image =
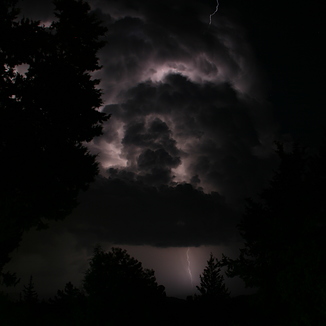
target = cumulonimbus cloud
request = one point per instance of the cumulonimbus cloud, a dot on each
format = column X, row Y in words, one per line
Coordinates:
column 188, row 111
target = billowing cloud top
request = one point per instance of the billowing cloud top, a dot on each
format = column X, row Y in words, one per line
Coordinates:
column 188, row 118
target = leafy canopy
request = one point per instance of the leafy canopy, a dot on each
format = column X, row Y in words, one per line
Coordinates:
column 47, row 115
column 116, row 276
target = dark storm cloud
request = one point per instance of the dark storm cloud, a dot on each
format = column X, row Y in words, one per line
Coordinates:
column 150, row 150
column 157, row 165
column 214, row 131
column 188, row 118
column 149, row 159
column 187, row 112
column 155, row 134
column 123, row 211
column 145, row 36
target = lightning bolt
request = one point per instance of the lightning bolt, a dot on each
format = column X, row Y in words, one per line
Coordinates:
column 189, row 270
column 216, row 9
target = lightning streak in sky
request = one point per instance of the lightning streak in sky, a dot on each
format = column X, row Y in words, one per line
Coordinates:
column 216, row 9
column 189, row 270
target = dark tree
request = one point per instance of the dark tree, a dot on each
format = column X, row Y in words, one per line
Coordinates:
column 213, row 302
column 284, row 251
column 117, row 275
column 68, row 296
column 212, row 286
column 47, row 115
column 9, row 279
column 29, row 294
column 70, row 305
column 117, row 282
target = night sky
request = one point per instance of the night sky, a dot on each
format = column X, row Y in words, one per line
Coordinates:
column 196, row 108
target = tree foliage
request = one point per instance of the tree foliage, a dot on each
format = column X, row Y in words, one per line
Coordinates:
column 115, row 275
column 69, row 295
column 117, row 285
column 212, row 286
column 29, row 293
column 284, row 234
column 47, row 115
column 70, row 304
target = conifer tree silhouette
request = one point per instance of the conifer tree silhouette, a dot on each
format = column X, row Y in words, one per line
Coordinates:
column 212, row 286
column 30, row 296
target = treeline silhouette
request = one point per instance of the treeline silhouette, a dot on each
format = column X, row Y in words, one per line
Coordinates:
column 117, row 290
column 283, row 258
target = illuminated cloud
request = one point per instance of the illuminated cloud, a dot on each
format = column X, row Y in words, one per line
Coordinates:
column 188, row 118
column 188, row 109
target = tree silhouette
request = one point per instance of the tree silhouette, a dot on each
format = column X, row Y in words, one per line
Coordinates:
column 70, row 304
column 118, row 282
column 214, row 297
column 284, row 234
column 29, row 294
column 47, row 115
column 9, row 279
column 212, row 286
column 118, row 275
column 68, row 296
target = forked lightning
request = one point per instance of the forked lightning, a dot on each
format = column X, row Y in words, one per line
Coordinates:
column 216, row 9
column 189, row 270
